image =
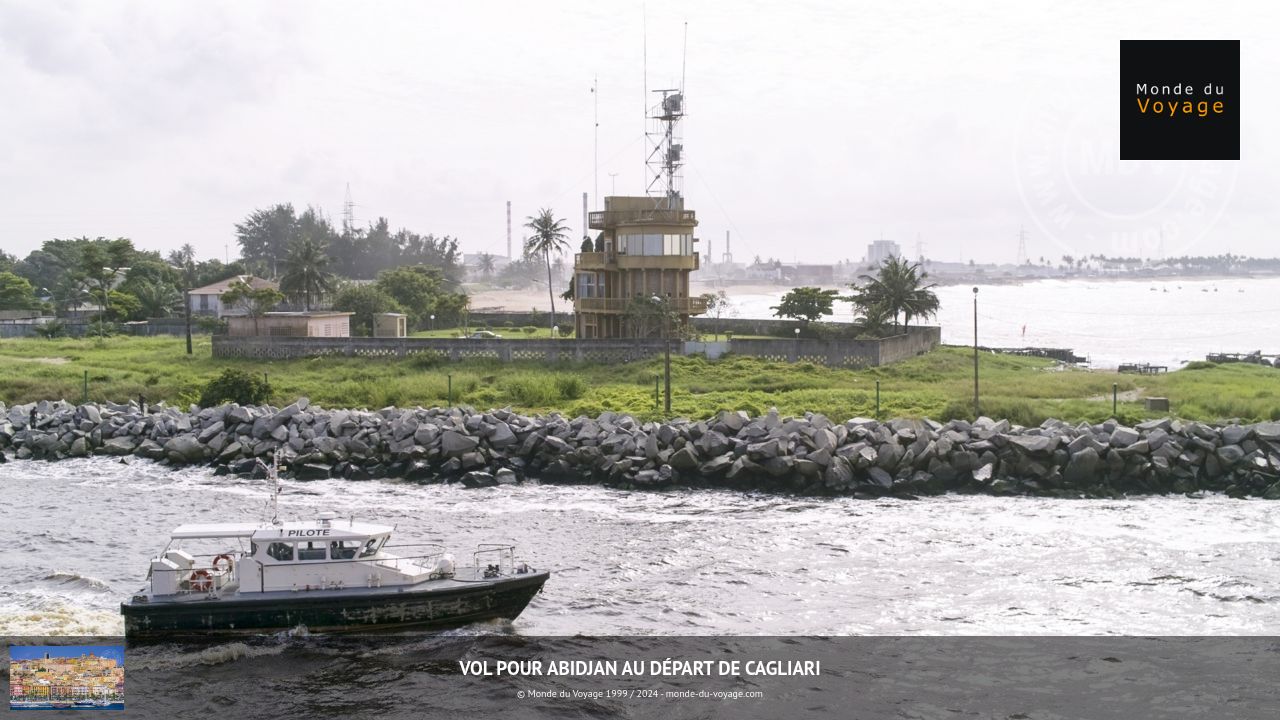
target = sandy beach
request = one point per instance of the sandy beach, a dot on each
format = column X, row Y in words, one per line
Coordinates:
column 485, row 299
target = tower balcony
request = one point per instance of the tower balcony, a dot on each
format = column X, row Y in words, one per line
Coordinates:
column 680, row 305
column 615, row 261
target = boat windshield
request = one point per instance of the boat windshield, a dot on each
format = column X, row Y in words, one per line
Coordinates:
column 372, row 546
column 343, row 549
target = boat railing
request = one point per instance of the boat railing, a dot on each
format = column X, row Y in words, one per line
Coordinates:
column 491, row 552
column 403, row 563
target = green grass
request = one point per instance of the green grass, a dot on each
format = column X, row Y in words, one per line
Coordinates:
column 937, row 385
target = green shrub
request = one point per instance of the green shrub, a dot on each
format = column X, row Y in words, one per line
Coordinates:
column 211, row 325
column 528, row 330
column 235, row 386
column 50, row 330
column 101, row 328
column 1200, row 365
column 570, row 387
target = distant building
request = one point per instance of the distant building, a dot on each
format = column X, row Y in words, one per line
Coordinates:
column 809, row 274
column 880, row 250
column 769, row 270
column 207, row 300
column 647, row 251
column 292, row 324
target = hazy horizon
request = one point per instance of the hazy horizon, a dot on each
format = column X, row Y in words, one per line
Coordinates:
column 813, row 128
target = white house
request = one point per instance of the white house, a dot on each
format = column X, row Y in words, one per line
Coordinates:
column 207, row 300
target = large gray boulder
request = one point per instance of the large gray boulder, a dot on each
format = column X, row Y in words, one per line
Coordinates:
column 454, row 443
column 184, row 448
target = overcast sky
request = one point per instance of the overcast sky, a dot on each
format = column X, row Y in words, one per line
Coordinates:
column 813, row 127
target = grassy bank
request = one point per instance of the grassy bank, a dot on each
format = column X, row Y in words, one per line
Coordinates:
column 937, row 385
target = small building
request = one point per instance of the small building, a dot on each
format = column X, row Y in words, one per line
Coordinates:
column 292, row 324
column 394, row 325
column 207, row 300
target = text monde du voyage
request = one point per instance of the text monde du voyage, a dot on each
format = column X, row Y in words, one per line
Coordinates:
column 1180, row 100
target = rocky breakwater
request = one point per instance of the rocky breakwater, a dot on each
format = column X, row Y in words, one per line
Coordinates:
column 809, row 454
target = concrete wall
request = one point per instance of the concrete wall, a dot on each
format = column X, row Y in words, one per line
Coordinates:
column 836, row 353
column 280, row 348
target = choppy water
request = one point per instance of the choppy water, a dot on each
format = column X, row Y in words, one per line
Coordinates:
column 78, row 534
column 1163, row 322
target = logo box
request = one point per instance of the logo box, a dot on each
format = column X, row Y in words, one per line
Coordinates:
column 1179, row 99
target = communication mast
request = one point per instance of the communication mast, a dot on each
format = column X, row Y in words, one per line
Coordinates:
column 348, row 213
column 1022, row 246
column 666, row 148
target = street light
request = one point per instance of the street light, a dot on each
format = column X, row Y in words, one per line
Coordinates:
column 666, row 353
column 796, row 350
column 976, row 413
column 433, row 323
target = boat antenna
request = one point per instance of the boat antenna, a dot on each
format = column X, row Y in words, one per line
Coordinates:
column 274, row 475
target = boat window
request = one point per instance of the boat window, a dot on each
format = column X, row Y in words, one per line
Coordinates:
column 310, row 552
column 280, row 551
column 371, row 547
column 343, row 549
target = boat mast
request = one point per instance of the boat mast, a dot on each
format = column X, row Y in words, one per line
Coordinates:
column 274, row 475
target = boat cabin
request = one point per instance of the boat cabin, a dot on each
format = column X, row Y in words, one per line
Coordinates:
column 325, row 553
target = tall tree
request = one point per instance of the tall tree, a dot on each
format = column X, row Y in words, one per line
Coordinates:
column 100, row 269
column 486, row 264
column 718, row 306
column 183, row 256
column 157, row 300
column 806, row 304
column 7, row 261
column 549, row 236
column 366, row 301
column 898, row 288
column 421, row 291
column 264, row 236
column 306, row 271
column 16, row 293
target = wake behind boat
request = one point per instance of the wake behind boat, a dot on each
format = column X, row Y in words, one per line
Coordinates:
column 327, row 574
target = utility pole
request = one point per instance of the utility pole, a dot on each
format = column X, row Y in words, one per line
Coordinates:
column 664, row 304
column 595, row 96
column 509, row 257
column 976, row 412
column 187, row 299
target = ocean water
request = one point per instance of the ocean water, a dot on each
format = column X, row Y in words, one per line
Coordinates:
column 1162, row 322
column 689, row 562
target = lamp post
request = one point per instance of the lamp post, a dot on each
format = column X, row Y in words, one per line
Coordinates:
column 666, row 354
column 976, row 412
column 796, row 347
column 433, row 323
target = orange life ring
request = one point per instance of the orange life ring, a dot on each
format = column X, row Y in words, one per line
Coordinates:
column 220, row 558
column 201, row 581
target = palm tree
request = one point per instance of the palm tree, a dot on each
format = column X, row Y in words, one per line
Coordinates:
column 306, row 272
column 182, row 257
column 549, row 235
column 159, row 300
column 896, row 290
column 486, row 264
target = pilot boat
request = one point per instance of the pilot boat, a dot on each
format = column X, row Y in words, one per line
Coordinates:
column 327, row 574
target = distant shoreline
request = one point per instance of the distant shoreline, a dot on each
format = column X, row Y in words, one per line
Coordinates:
column 498, row 300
